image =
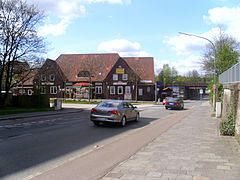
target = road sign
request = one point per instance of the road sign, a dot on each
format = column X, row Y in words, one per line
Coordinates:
column 214, row 86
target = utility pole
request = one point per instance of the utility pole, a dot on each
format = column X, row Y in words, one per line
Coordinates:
column 214, row 73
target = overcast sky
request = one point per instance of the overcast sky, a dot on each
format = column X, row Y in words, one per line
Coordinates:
column 138, row 28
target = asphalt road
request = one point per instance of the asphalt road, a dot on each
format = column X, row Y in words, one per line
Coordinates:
column 42, row 143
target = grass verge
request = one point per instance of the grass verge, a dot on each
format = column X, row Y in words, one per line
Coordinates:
column 18, row 110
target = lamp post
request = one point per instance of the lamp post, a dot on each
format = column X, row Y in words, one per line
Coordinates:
column 214, row 74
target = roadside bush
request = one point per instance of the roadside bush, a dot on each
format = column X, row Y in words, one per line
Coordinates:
column 31, row 101
column 219, row 93
column 227, row 127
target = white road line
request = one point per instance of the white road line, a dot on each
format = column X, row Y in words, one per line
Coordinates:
column 20, row 136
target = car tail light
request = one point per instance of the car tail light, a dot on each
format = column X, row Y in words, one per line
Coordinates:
column 177, row 104
column 93, row 110
column 112, row 112
column 166, row 103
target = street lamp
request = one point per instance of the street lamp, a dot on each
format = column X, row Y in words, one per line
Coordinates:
column 214, row 74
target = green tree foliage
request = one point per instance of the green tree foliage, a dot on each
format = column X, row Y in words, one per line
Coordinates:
column 167, row 74
column 227, row 127
column 227, row 53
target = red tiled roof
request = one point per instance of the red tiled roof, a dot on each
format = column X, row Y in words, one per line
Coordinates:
column 30, row 77
column 72, row 64
column 143, row 66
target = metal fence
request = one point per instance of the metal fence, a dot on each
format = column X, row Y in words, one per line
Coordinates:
column 232, row 75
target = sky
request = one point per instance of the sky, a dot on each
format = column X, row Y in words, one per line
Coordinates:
column 139, row 28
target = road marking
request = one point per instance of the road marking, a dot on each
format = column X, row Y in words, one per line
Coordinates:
column 20, row 136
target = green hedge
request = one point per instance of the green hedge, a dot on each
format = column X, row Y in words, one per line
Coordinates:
column 31, row 101
column 227, row 127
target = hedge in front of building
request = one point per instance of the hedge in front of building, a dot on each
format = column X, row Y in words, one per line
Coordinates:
column 36, row 101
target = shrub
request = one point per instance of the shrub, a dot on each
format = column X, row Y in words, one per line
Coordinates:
column 227, row 127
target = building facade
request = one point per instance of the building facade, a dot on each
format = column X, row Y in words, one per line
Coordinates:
column 103, row 76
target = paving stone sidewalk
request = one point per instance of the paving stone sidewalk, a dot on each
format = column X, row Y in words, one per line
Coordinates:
column 191, row 149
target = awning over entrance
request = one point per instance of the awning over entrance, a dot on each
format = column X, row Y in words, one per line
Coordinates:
column 167, row 89
column 82, row 84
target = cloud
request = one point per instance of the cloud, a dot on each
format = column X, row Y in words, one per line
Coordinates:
column 183, row 45
column 55, row 30
column 182, row 65
column 229, row 17
column 71, row 8
column 123, row 47
column 67, row 10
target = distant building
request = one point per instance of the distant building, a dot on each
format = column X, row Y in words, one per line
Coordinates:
column 109, row 76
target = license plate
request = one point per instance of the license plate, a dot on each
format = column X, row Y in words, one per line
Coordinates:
column 101, row 119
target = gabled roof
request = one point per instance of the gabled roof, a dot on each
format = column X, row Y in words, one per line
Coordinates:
column 72, row 64
column 28, row 77
column 143, row 67
column 51, row 66
column 101, row 65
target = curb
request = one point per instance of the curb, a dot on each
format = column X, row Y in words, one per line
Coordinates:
column 38, row 115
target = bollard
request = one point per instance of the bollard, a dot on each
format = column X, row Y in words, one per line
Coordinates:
column 57, row 104
column 218, row 109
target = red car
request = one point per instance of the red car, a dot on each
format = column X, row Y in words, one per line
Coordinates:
column 165, row 100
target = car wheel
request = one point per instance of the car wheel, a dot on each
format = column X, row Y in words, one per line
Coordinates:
column 183, row 108
column 166, row 107
column 137, row 117
column 96, row 123
column 123, row 121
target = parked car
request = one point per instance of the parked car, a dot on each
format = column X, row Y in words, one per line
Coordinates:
column 174, row 103
column 114, row 111
column 165, row 100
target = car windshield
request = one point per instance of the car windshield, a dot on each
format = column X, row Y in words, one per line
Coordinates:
column 173, row 99
column 108, row 104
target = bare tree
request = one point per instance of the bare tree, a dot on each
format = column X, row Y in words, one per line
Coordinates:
column 19, row 42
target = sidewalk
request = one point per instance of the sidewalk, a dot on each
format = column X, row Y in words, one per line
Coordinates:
column 191, row 149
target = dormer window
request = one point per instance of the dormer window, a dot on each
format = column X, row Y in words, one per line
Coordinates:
column 83, row 74
column 52, row 77
column 43, row 77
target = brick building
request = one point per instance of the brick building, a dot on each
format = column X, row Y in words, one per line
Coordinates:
column 107, row 76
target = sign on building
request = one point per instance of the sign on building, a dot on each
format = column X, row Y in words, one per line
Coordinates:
column 119, row 70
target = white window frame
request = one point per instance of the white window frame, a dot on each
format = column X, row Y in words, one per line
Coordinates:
column 53, row 89
column 112, row 89
column 120, row 88
column 30, row 92
column 148, row 89
column 127, row 89
column 140, row 91
column 98, row 89
column 43, row 77
column 50, row 77
column 42, row 90
column 21, row 91
column 124, row 77
column 115, row 77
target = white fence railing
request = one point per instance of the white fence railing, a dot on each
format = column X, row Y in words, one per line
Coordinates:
column 232, row 75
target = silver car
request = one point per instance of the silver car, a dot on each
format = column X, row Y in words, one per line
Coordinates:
column 115, row 111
